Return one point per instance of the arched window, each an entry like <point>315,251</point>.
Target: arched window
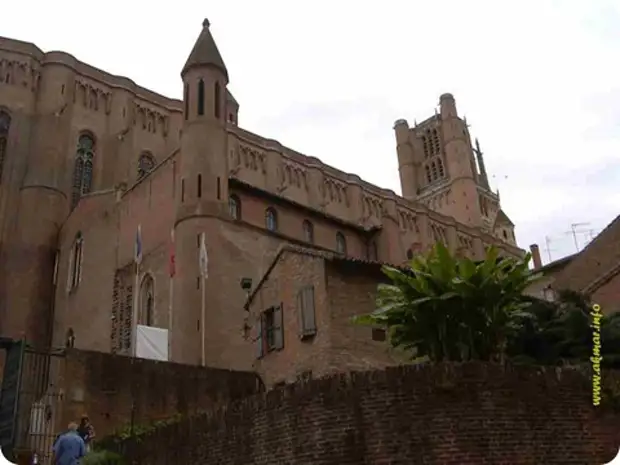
<point>217,99</point>
<point>5,123</point>
<point>201,97</point>
<point>441,170</point>
<point>75,262</point>
<point>434,171</point>
<point>308,231</point>
<point>234,207</point>
<point>83,170</point>
<point>147,301</point>
<point>271,219</point>
<point>341,243</point>
<point>70,339</point>
<point>146,163</point>
<point>428,174</point>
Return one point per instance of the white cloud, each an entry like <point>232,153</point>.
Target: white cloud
<point>536,80</point>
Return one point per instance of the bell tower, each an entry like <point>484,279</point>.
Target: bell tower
<point>202,196</point>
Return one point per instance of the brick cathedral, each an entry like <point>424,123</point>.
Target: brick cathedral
<point>86,157</point>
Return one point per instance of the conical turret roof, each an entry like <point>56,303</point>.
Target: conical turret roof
<point>205,52</point>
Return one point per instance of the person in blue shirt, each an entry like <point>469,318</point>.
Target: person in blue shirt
<point>70,447</point>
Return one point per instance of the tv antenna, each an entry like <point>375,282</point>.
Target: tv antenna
<point>548,248</point>
<point>573,232</point>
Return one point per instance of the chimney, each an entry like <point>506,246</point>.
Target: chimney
<point>535,251</point>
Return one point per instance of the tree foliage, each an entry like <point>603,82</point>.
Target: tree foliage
<point>559,333</point>
<point>450,308</point>
<point>453,309</point>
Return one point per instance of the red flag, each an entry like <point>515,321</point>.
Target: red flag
<point>172,261</point>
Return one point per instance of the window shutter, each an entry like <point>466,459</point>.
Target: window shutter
<point>300,313</point>
<point>259,338</point>
<point>308,312</point>
<point>278,328</point>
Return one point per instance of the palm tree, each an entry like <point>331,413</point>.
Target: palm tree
<point>449,308</point>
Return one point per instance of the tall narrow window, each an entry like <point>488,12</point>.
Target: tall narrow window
<point>234,207</point>
<point>186,99</point>
<point>201,97</point>
<point>271,219</point>
<point>308,232</point>
<point>182,190</point>
<point>441,170</point>
<point>5,124</point>
<point>434,171</point>
<point>75,262</point>
<point>341,243</point>
<point>147,301</point>
<point>219,189</point>
<point>216,100</point>
<point>146,163</point>
<point>199,186</point>
<point>83,169</point>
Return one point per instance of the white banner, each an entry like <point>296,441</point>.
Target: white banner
<point>152,343</point>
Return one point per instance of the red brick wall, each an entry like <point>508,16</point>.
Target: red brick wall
<point>352,292</point>
<point>608,295</point>
<point>104,386</point>
<point>340,293</point>
<point>446,414</point>
<point>293,272</point>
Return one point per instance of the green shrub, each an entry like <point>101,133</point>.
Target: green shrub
<point>102,457</point>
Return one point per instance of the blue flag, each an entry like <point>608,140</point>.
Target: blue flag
<point>138,246</point>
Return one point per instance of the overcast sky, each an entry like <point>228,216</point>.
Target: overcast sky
<point>538,80</point>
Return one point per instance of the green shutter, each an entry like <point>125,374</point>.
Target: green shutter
<point>260,348</point>
<point>278,328</point>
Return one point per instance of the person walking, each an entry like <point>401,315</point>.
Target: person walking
<point>70,447</point>
<point>86,432</point>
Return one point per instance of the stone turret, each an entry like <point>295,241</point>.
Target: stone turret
<point>202,199</point>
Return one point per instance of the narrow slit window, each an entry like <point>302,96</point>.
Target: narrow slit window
<point>199,186</point>
<point>186,98</point>
<point>217,99</point>
<point>201,98</point>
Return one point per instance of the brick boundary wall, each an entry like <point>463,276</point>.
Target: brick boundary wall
<point>452,414</point>
<point>109,387</point>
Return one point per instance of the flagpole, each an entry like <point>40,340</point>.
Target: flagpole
<point>171,295</point>
<point>134,313</point>
<point>134,316</point>
<point>203,262</point>
<point>203,320</point>
<point>170,320</point>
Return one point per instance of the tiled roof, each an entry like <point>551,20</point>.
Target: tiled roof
<point>595,264</point>
<point>557,265</point>
<point>314,252</point>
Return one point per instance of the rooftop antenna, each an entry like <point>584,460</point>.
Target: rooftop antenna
<point>548,247</point>
<point>573,231</point>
